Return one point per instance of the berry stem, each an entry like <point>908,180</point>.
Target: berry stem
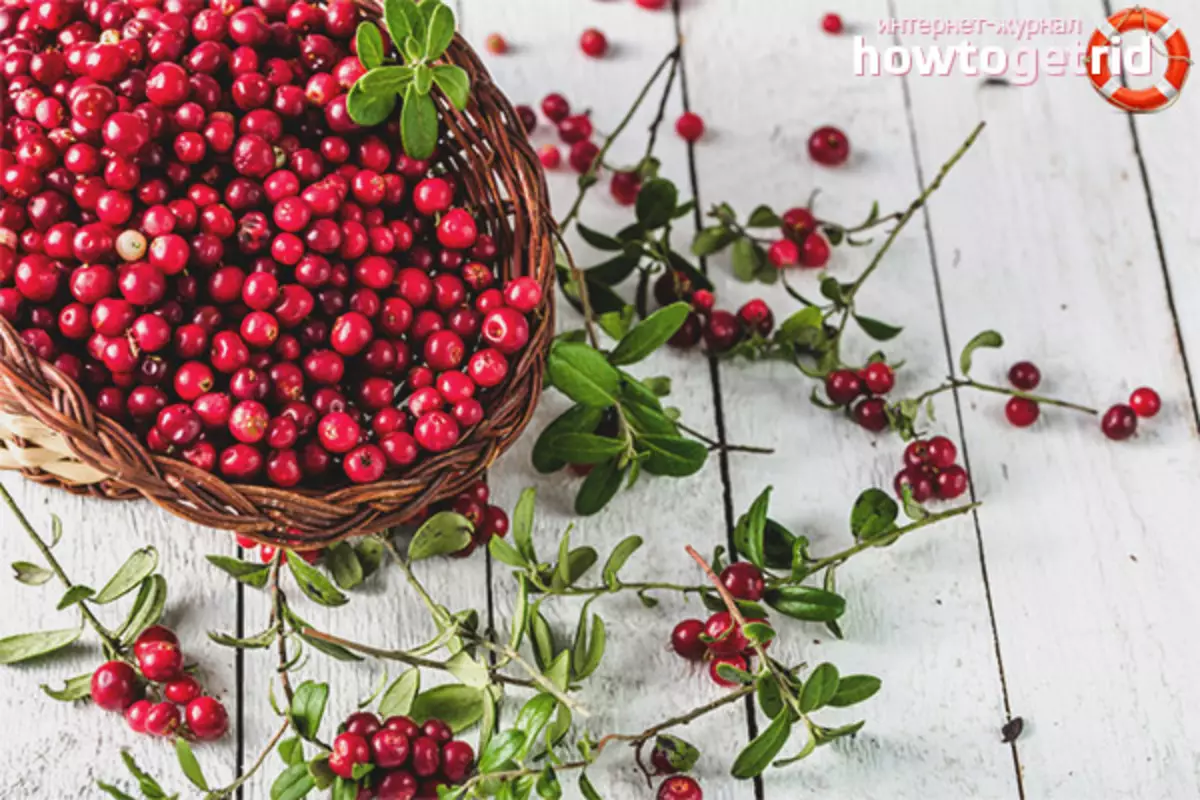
<point>278,606</point>
<point>838,559</point>
<point>968,383</point>
<point>911,211</point>
<point>229,790</point>
<point>110,640</point>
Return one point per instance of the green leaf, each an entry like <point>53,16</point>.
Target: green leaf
<point>548,787</point>
<point>873,515</point>
<point>589,650</point>
<point>802,327</point>
<point>680,754</point>
<point>650,334</point>
<point>444,533</point>
<point>832,289</point>
<point>616,323</point>
<point>403,20</point>
<point>398,699</point>
<point>613,271</point>
<point>585,448</point>
<point>440,29</point>
<point>766,690</point>
<point>418,124</point>
<point>113,791</point>
<point>763,217</point>
<point>748,259</point>
<point>827,735</point>
<point>505,553</point>
<point>369,43</point>
<point>656,203</point>
<point>294,782</point>
<point>322,775</point>
<point>520,616</point>
<point>313,583</point>
<point>712,240</point>
<point>984,339</point>
<point>543,638</point>
<point>31,574</point>
<point>522,524</point>
<point>760,752</point>
<point>620,554</point>
<point>370,555</point>
<point>820,687</point>
<point>26,646</point>
<point>457,705</point>
<point>659,386</point>
<point>559,671</point>
<point>369,108</point>
<point>147,608</point>
<point>535,716</point>
<point>468,670</point>
<point>600,241</point>
<point>76,594</point>
<point>600,486</point>
<point>291,751</point>
<point>734,674</point>
<point>255,575</point>
<point>583,374</point>
<point>330,649</point>
<point>806,603</point>
<point>343,564</point>
<point>748,534</point>
<point>149,787</point>
<point>308,707</point>
<point>189,764</point>
<point>879,331</point>
<point>672,455</point>
<point>853,689</point>
<point>136,568</point>
<point>577,419</point>
<point>454,83</point>
<point>501,750</point>
<point>76,688</point>
<point>390,80</point>
<point>423,78</point>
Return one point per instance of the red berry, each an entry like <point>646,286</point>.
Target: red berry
<point>575,128</point>
<point>182,690</point>
<point>163,719</point>
<point>918,481</point>
<point>733,660</point>
<point>832,23</point>
<point>136,715</point>
<point>550,156</point>
<point>784,253</point>
<point>390,748</point>
<point>114,686</point>
<point>426,756</point>
<point>366,464</point>
<point>432,196</point>
<point>1025,376</point>
<point>680,788</point>
<point>555,107</point>
<point>878,378</point>
<point>829,146</point>
<point>872,414</point>
<point>398,785</point>
<point>814,251</point>
<point>457,230</point>
<point>436,431</point>
<point>152,636</point>
<point>593,43</point>
<point>496,44</point>
<point>506,330</point>
<point>744,581</point>
<point>161,662</point>
<point>349,750</point>
<point>725,634</point>
<point>722,331</point>
<point>690,126</point>
<point>625,187</point>
<point>842,387</point>
<point>583,156</point>
<point>1145,402</point>
<point>951,482</point>
<point>756,317</point>
<point>1119,423</point>
<point>206,718</point>
<point>941,452</point>
<point>338,432</point>
<point>686,641</point>
<point>457,758</point>
<point>524,294</point>
<point>1021,411</point>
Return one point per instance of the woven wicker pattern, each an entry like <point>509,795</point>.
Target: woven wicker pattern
<point>51,432</point>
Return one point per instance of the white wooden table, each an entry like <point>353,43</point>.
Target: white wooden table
<point>1071,598</point>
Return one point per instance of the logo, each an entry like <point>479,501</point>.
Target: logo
<point>1105,60</point>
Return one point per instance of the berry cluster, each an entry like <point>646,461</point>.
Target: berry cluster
<point>410,760</point>
<point>1118,423</point>
<point>801,244</point>
<point>194,229</point>
<point>486,520</point>
<point>843,387</point>
<point>930,471</point>
<point>720,639</point>
<point>117,686</point>
<point>266,552</point>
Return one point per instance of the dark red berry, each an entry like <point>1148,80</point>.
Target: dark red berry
<point>724,634</point>
<point>732,659</point>
<point>744,581</point>
<point>872,414</point>
<point>593,43</point>
<point>951,482</point>
<point>942,452</point>
<point>1119,423</point>
<point>829,146</point>
<point>1025,376</point>
<point>686,641</point>
<point>878,377</point>
<point>842,387</point>
<point>114,686</point>
<point>832,23</point>
<point>349,750</point>
<point>457,758</point>
<point>389,748</point>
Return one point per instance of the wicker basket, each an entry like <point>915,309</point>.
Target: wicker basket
<point>50,431</point>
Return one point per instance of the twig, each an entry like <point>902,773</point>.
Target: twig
<point>968,383</point>
<point>729,448</point>
<point>245,776</point>
<point>867,544</point>
<point>662,107</point>
<point>278,604</point>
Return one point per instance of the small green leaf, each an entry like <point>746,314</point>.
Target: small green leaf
<point>656,203</point>
<point>712,240</point>
<point>370,555</point>
<point>874,514</point>
<point>806,603</point>
<point>444,533</point>
<point>308,707</point>
<point>76,594</point>
<point>585,448</point>
<point>342,561</point>
<point>441,29</point>
<point>369,108</point>
<point>335,651</point>
<point>548,787</point>
<point>587,789</point>
<point>748,534</point>
<point>535,715</point>
<point>255,575</point>
<point>520,615</point>
<point>457,705</point>
<point>76,688</point>
<point>403,20</point>
<point>577,419</point>
<point>390,80</point>
<point>583,374</point>
<point>600,486</point>
<point>600,241</point>
<point>766,690</point>
<point>522,524</point>
<point>748,259</point>
<point>763,217</point>
<point>147,608</point>
<point>454,83</point>
<point>505,553</point>
<point>853,689</point>
<point>369,43</point>
<point>984,339</point>
<point>398,699</point>
<point>832,289</point>
<point>501,750</point>
<point>650,334</point>
<point>26,646</point>
<point>418,124</point>
<point>616,323</point>
<point>293,783</point>
<point>291,751</point>
<point>620,554</point>
<point>760,752</point>
<point>423,78</point>
<point>543,638</point>
<point>136,568</point>
<point>672,455</point>
<point>469,671</point>
<point>189,764</point>
<point>680,754</point>
<point>589,651</point>
<point>879,331</point>
<point>313,583</point>
<point>820,687</point>
<point>31,574</point>
<point>113,791</point>
<point>150,787</point>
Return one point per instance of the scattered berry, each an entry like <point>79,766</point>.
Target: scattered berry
<point>593,43</point>
<point>1119,423</point>
<point>496,44</point>
<point>1145,402</point>
<point>690,126</point>
<point>832,23</point>
<point>1021,411</point>
<point>829,146</point>
<point>1025,376</point>
<point>686,641</point>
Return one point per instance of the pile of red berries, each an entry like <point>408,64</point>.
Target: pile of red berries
<point>930,471</point>
<point>1117,423</point>
<point>410,760</point>
<point>117,686</point>
<point>719,639</point>
<point>862,392</point>
<point>194,229</point>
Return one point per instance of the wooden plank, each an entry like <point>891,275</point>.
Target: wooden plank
<point>630,691</point>
<point>917,613</point>
<point>98,537</point>
<point>1090,587</point>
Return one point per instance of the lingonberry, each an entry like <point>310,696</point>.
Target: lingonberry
<point>432,196</point>
<point>399,784</point>
<point>680,788</point>
<point>941,452</point>
<point>506,330</point>
<point>625,187</point>
<point>593,43</point>
<point>152,636</point>
<point>951,482</point>
<point>686,641</point>
<point>496,44</point>
<point>114,686</point>
<point>365,464</point>
<point>1021,411</point>
<point>829,146</point>
<point>1025,376</point>
<point>583,156</point>
<point>550,156</point>
<point>1145,402</point>
<point>349,750</point>
<point>426,756</point>
<point>784,253</point>
<point>363,723</point>
<point>871,414</point>
<point>179,425</point>
<point>338,432</point>
<point>722,331</point>
<point>457,230</point>
<point>163,719</point>
<point>878,377</point>
<point>724,635</point>
<point>488,367</point>
<point>182,690</point>
<point>918,482</point>
<point>389,748</point>
<point>436,431</point>
<point>756,317</point>
<point>733,660</point>
<point>555,107</point>
<point>241,462</point>
<point>457,758</point>
<point>842,387</point>
<point>135,715</point>
<point>206,718</point>
<point>1119,422</point>
<point>744,581</point>
<point>576,128</point>
<point>703,300</point>
<point>161,662</point>
<point>832,23</point>
<point>690,126</point>
<point>814,251</point>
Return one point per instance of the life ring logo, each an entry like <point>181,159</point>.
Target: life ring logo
<point>1104,51</point>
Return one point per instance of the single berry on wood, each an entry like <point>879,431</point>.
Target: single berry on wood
<point>206,718</point>
<point>1021,411</point>
<point>593,43</point>
<point>829,146</point>
<point>832,23</point>
<point>1145,402</point>
<point>1025,376</point>
<point>690,126</point>
<point>1119,423</point>
<point>555,107</point>
<point>686,641</point>
<point>496,44</point>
